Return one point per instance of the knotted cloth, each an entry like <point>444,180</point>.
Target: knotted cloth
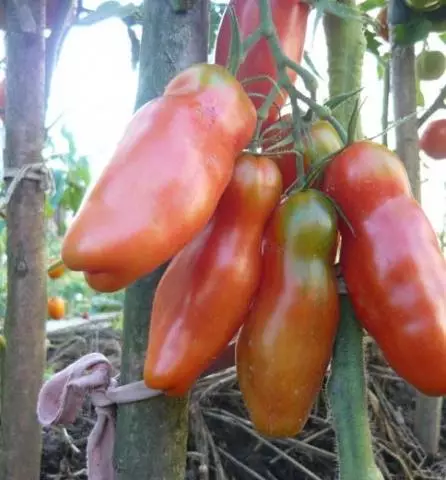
<point>63,395</point>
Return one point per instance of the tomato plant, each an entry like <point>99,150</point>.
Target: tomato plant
<point>392,264</point>
<point>123,229</point>
<point>321,141</point>
<point>433,140</point>
<point>56,308</point>
<point>285,344</point>
<point>207,289</point>
<point>290,20</point>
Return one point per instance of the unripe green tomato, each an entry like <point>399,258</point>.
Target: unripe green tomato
<point>423,5</point>
<point>430,65</point>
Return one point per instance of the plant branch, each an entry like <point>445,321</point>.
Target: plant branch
<point>347,386</point>
<point>267,30</point>
<point>348,400</point>
<point>385,113</point>
<point>438,104</point>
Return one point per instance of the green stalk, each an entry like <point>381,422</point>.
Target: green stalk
<point>346,47</point>
<point>268,31</point>
<point>347,391</point>
<point>347,386</point>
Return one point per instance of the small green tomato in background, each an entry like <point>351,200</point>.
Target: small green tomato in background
<point>430,65</point>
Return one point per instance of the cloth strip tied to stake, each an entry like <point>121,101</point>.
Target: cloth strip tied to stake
<point>63,395</point>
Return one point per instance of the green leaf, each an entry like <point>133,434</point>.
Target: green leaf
<point>236,48</point>
<point>414,31</point>
<point>419,95</point>
<point>108,10</point>
<point>339,9</point>
<point>371,4</point>
<point>310,64</point>
<point>334,102</point>
<point>442,37</point>
<point>372,43</point>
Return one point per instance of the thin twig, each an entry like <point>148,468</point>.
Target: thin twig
<point>437,104</point>
<point>241,465</point>
<point>234,420</point>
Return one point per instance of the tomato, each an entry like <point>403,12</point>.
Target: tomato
<point>56,308</point>
<point>393,267</point>
<point>322,141</point>
<point>290,19</point>
<point>164,180</point>
<point>286,342</point>
<point>56,270</point>
<point>206,291</point>
<point>433,140</point>
<point>382,19</point>
<point>430,65</point>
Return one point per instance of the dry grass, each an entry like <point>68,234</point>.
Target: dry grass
<point>224,446</point>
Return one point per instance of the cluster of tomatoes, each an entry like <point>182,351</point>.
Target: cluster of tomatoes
<point>252,256</point>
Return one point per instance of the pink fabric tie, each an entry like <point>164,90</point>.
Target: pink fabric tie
<point>63,395</point>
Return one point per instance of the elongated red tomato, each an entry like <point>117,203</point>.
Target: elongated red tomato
<point>290,19</point>
<point>206,291</point>
<point>322,140</point>
<point>164,180</point>
<point>394,269</point>
<point>285,344</point>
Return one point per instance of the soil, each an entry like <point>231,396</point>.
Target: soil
<point>222,444</point>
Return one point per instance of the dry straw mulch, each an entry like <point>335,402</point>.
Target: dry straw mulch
<point>222,442</point>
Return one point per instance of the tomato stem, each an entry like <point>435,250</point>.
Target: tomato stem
<point>386,95</point>
<point>346,47</point>
<point>347,386</point>
<point>268,31</point>
<point>347,393</point>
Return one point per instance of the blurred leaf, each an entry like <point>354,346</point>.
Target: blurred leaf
<point>335,102</point>
<point>419,95</point>
<point>108,10</point>
<point>338,9</point>
<point>372,43</point>
<point>310,64</point>
<point>371,4</point>
<point>236,45</point>
<point>48,209</point>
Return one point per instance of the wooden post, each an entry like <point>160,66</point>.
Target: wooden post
<point>428,409</point>
<point>26,302</point>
